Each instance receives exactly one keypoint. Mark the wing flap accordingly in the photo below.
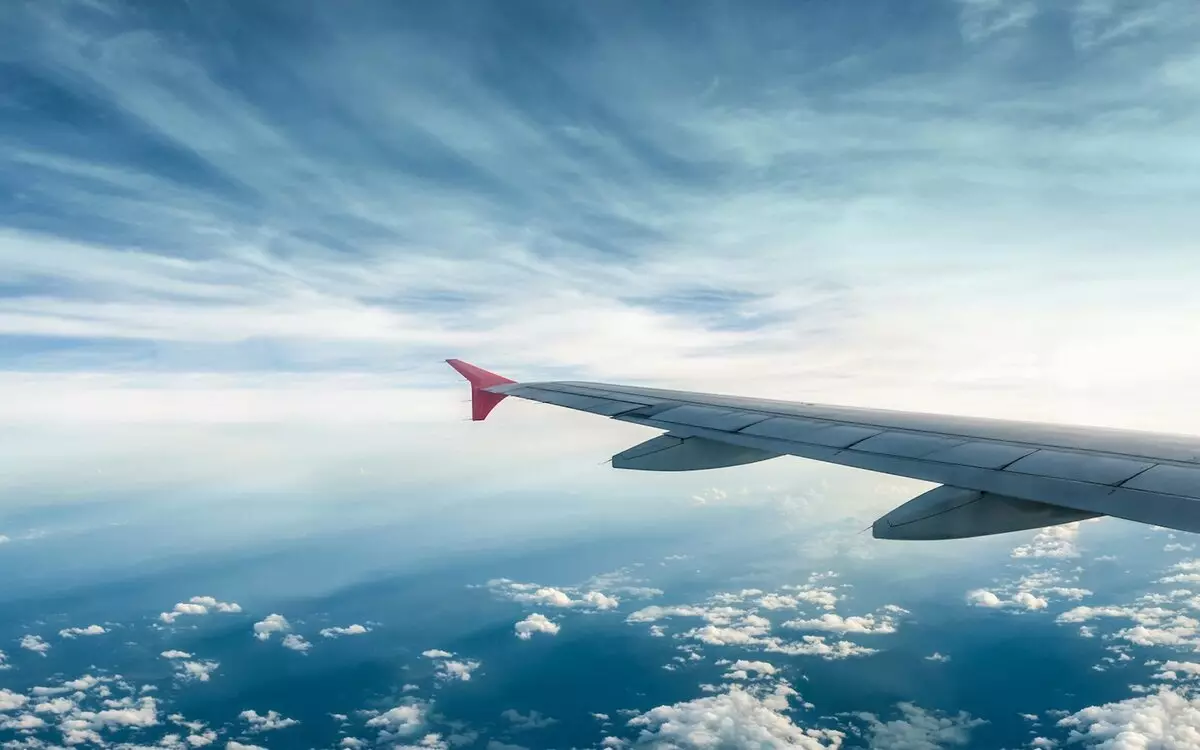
(956, 513)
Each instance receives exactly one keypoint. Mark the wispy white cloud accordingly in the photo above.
(690, 231)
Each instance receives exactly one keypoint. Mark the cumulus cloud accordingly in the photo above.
(1053, 541)
(295, 643)
(271, 624)
(736, 717)
(400, 721)
(270, 721)
(34, 643)
(4, 662)
(453, 669)
(450, 669)
(919, 729)
(740, 669)
(937, 656)
(1178, 670)
(863, 625)
(535, 623)
(1020, 600)
(548, 596)
(75, 632)
(199, 605)
(10, 701)
(728, 625)
(1166, 719)
(336, 632)
(815, 645)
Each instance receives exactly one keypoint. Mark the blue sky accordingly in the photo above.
(238, 239)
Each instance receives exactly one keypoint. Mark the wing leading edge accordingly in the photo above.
(996, 475)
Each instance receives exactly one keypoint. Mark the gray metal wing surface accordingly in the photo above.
(995, 475)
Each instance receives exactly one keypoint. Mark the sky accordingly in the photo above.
(238, 240)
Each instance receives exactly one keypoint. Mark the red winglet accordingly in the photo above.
(482, 402)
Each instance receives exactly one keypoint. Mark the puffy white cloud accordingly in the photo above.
(75, 632)
(1178, 670)
(34, 643)
(736, 718)
(216, 606)
(55, 706)
(535, 623)
(400, 721)
(199, 671)
(295, 642)
(822, 596)
(449, 670)
(22, 722)
(271, 624)
(10, 701)
(335, 632)
(834, 623)
(655, 612)
(1053, 541)
(1165, 719)
(600, 601)
(1019, 600)
(1083, 614)
(235, 745)
(563, 598)
(175, 654)
(918, 729)
(815, 645)
(199, 605)
(740, 669)
(270, 721)
(4, 661)
(937, 656)
(436, 653)
(549, 596)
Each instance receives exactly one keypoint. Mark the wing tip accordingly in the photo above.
(482, 401)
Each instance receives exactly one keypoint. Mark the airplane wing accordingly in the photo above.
(995, 475)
